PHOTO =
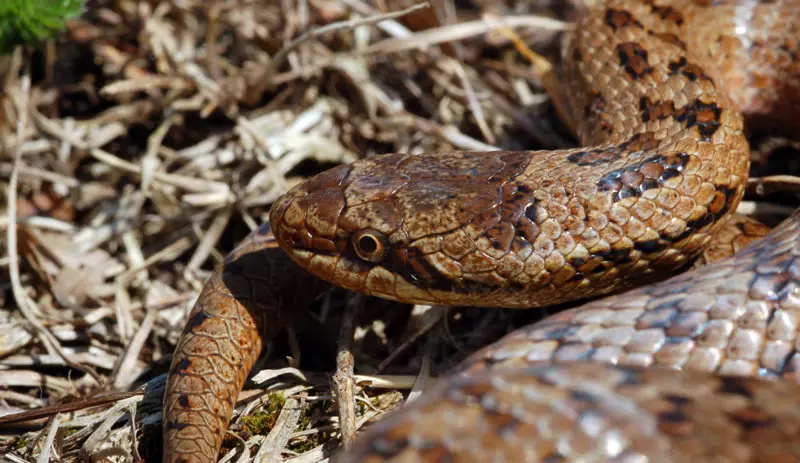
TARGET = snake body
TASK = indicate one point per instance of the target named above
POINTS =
(575, 386)
(658, 93)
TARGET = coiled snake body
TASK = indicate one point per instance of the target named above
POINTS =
(658, 93)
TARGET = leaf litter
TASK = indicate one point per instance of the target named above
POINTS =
(142, 146)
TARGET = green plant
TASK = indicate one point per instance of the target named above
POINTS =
(32, 21)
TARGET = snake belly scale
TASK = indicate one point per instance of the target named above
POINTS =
(658, 93)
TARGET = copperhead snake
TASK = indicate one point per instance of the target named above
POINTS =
(658, 94)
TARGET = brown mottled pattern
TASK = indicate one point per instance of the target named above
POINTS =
(242, 304)
(534, 396)
(732, 237)
(737, 316)
(664, 163)
(590, 413)
(658, 92)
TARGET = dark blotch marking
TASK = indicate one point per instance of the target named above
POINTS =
(616, 19)
(631, 378)
(183, 400)
(711, 217)
(581, 396)
(655, 110)
(661, 317)
(651, 246)
(634, 179)
(560, 331)
(594, 157)
(706, 3)
(625, 192)
(692, 72)
(671, 39)
(577, 261)
(672, 304)
(706, 116)
(634, 59)
(677, 400)
(530, 212)
(675, 423)
(668, 13)
(673, 416)
(599, 269)
(614, 255)
(410, 264)
(554, 458)
(733, 385)
(182, 365)
(197, 320)
(177, 425)
(578, 276)
(752, 418)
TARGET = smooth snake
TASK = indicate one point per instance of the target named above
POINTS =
(658, 93)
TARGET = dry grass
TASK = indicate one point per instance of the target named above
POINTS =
(145, 144)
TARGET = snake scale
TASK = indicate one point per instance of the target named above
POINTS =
(658, 94)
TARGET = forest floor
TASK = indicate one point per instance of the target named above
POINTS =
(144, 144)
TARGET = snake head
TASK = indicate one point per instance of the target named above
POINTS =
(419, 229)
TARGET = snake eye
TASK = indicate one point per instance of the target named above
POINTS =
(370, 245)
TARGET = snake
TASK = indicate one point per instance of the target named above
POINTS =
(659, 363)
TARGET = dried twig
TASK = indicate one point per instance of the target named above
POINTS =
(279, 57)
(343, 378)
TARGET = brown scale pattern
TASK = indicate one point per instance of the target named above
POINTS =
(243, 303)
(658, 91)
(592, 413)
(736, 316)
(581, 385)
(664, 164)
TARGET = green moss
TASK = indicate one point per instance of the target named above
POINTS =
(21, 443)
(311, 441)
(32, 21)
(306, 417)
(261, 422)
(275, 402)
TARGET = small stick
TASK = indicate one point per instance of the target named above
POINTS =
(266, 75)
(343, 380)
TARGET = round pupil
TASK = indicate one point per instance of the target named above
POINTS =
(368, 244)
